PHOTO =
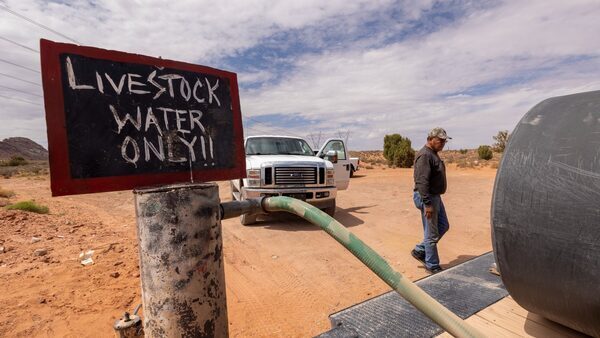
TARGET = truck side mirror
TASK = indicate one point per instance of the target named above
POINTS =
(332, 156)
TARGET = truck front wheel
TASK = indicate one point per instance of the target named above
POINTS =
(330, 210)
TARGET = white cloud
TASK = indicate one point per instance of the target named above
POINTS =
(192, 31)
(259, 76)
(408, 81)
(475, 75)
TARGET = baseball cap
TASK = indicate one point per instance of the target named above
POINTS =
(439, 133)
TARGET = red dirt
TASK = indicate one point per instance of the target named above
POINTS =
(284, 276)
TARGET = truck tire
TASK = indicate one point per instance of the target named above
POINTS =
(352, 171)
(330, 210)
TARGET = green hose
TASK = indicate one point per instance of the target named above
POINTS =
(407, 289)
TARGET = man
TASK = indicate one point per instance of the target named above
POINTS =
(430, 184)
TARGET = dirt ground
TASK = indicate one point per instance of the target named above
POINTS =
(284, 276)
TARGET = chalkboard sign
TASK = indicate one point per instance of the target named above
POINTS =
(117, 121)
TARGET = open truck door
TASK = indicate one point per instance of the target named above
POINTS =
(334, 150)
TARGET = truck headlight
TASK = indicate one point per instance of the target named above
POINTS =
(253, 176)
(330, 179)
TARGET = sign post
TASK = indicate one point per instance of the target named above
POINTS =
(181, 261)
(120, 121)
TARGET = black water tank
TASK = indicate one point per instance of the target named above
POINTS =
(546, 212)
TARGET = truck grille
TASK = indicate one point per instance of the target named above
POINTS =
(295, 175)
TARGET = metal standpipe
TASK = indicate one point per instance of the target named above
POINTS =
(407, 289)
(181, 261)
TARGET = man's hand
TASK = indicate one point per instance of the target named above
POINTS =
(428, 211)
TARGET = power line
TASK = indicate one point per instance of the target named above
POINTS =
(18, 65)
(37, 24)
(21, 91)
(16, 78)
(18, 44)
(256, 129)
(16, 99)
(271, 127)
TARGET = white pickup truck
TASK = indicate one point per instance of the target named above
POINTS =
(287, 166)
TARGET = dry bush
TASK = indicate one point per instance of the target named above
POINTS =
(373, 157)
(6, 193)
(463, 158)
(463, 163)
(32, 168)
(469, 159)
(14, 161)
(7, 172)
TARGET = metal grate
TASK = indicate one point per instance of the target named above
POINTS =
(295, 175)
(464, 289)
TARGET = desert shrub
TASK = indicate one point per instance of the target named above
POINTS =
(30, 206)
(14, 161)
(463, 151)
(485, 152)
(463, 163)
(501, 141)
(6, 193)
(398, 151)
(369, 167)
(379, 161)
(31, 168)
(7, 172)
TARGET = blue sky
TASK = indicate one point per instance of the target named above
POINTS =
(358, 68)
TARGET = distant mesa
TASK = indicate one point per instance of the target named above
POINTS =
(22, 146)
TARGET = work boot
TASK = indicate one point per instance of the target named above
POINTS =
(434, 269)
(420, 256)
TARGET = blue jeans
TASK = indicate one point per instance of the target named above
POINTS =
(433, 229)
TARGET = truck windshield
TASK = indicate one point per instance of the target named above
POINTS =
(277, 146)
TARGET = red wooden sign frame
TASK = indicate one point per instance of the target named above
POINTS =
(62, 183)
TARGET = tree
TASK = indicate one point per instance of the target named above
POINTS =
(501, 140)
(485, 152)
(315, 139)
(398, 151)
(344, 136)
